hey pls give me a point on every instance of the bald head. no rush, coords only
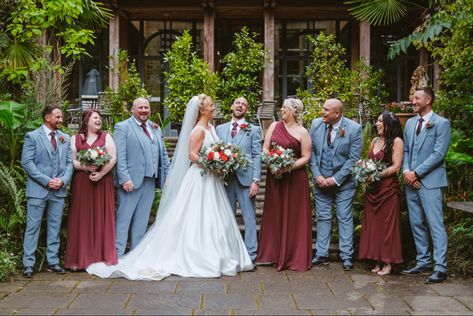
(141, 109)
(332, 111)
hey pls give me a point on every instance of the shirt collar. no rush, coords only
(139, 123)
(427, 117)
(337, 125)
(47, 130)
(240, 121)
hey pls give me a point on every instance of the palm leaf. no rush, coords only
(95, 15)
(378, 12)
(12, 190)
(20, 55)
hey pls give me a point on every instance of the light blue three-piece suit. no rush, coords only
(145, 162)
(335, 160)
(43, 163)
(425, 154)
(238, 185)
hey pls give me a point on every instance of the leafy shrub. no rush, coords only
(10, 256)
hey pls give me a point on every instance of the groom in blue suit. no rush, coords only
(336, 147)
(244, 185)
(47, 160)
(426, 141)
(142, 163)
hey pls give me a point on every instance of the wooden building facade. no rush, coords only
(147, 28)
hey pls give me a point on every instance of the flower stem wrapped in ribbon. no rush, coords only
(278, 158)
(94, 156)
(366, 171)
(221, 159)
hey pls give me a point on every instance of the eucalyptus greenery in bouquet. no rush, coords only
(278, 158)
(94, 156)
(366, 171)
(221, 159)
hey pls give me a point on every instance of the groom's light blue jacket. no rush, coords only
(131, 154)
(37, 160)
(425, 154)
(249, 141)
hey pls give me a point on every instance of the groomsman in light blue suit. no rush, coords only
(47, 160)
(336, 147)
(142, 163)
(426, 141)
(244, 185)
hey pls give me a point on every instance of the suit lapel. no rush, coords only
(45, 140)
(137, 130)
(226, 133)
(338, 138)
(59, 144)
(240, 134)
(425, 131)
(320, 130)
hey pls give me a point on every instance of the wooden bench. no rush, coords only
(466, 206)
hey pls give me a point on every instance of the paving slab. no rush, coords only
(466, 300)
(440, 304)
(94, 311)
(141, 287)
(100, 301)
(36, 311)
(38, 300)
(166, 302)
(53, 286)
(332, 302)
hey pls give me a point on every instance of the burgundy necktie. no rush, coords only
(53, 140)
(234, 129)
(419, 126)
(329, 135)
(143, 125)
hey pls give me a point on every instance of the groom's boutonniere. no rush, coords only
(429, 124)
(341, 132)
(245, 127)
(155, 126)
(62, 139)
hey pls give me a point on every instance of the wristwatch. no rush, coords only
(256, 181)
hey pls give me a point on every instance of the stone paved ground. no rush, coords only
(323, 290)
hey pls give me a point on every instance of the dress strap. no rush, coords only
(195, 128)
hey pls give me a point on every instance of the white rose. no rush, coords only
(94, 154)
(216, 156)
(283, 156)
(228, 152)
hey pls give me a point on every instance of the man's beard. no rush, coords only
(239, 117)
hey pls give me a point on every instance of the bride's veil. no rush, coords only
(180, 161)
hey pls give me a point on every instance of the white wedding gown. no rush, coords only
(197, 237)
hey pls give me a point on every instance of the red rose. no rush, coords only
(210, 155)
(62, 139)
(224, 157)
(342, 132)
(279, 152)
(156, 126)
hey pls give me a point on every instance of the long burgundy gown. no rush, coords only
(286, 226)
(381, 233)
(91, 223)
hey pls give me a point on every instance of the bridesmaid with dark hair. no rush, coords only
(286, 226)
(91, 222)
(380, 234)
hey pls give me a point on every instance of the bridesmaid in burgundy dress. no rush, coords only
(91, 222)
(380, 234)
(286, 229)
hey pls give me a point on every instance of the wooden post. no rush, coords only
(355, 45)
(268, 75)
(209, 37)
(423, 57)
(365, 44)
(114, 46)
(437, 71)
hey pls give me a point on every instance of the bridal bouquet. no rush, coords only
(366, 171)
(221, 159)
(278, 158)
(94, 156)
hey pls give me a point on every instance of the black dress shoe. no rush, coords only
(436, 277)
(56, 268)
(320, 261)
(415, 270)
(28, 272)
(347, 265)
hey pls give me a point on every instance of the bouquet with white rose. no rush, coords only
(221, 159)
(366, 171)
(278, 158)
(94, 156)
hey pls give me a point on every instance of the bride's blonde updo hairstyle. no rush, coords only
(204, 102)
(296, 107)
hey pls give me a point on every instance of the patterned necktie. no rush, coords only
(234, 129)
(419, 126)
(143, 125)
(329, 135)
(53, 140)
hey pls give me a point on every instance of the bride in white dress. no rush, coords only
(195, 233)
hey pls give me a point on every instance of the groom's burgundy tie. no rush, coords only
(143, 125)
(419, 126)
(53, 140)
(234, 129)
(329, 135)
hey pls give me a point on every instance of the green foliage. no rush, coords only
(361, 89)
(10, 255)
(378, 12)
(12, 198)
(130, 87)
(239, 77)
(188, 76)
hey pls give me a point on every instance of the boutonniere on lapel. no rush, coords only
(429, 125)
(155, 126)
(62, 139)
(341, 132)
(245, 127)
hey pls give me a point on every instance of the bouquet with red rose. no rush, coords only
(221, 159)
(94, 156)
(366, 172)
(278, 158)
